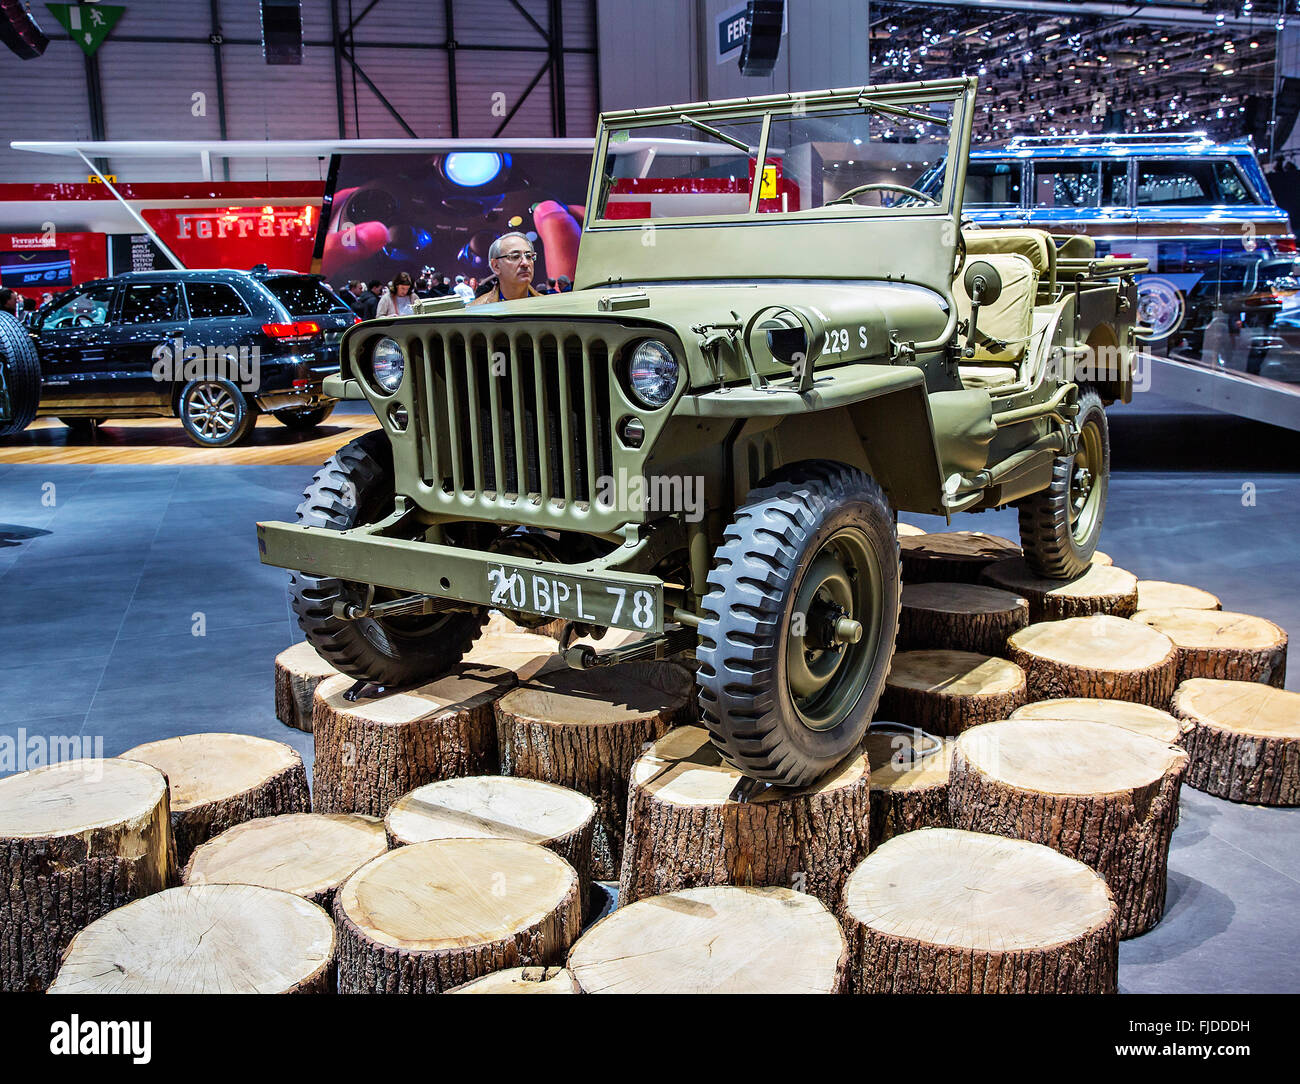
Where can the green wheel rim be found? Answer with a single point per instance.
(1085, 493)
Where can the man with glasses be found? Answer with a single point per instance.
(512, 260)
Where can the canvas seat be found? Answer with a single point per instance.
(1034, 245)
(1004, 326)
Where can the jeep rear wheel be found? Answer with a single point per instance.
(354, 488)
(20, 377)
(797, 633)
(304, 417)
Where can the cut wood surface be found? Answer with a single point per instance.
(308, 854)
(522, 980)
(1099, 656)
(1139, 718)
(369, 752)
(960, 616)
(530, 653)
(204, 939)
(298, 670)
(946, 692)
(220, 780)
(1223, 645)
(906, 530)
(1102, 589)
(1243, 739)
(941, 911)
(1101, 558)
(1095, 792)
(952, 556)
(426, 917)
(909, 781)
(723, 939)
(686, 829)
(77, 839)
(584, 728)
(1163, 595)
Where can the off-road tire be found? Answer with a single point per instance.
(355, 487)
(202, 409)
(22, 372)
(307, 418)
(1047, 536)
(745, 627)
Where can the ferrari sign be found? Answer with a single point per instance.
(88, 24)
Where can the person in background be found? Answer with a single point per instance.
(11, 302)
(424, 288)
(399, 301)
(368, 306)
(512, 260)
(544, 287)
(443, 286)
(463, 289)
(350, 294)
(563, 284)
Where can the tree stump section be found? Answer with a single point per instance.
(431, 916)
(946, 692)
(220, 780)
(1098, 793)
(909, 781)
(369, 752)
(1102, 589)
(1100, 558)
(686, 829)
(906, 530)
(522, 980)
(1163, 595)
(942, 911)
(298, 670)
(499, 807)
(204, 939)
(584, 728)
(1243, 738)
(1222, 645)
(723, 939)
(308, 854)
(952, 556)
(77, 839)
(1139, 718)
(1101, 656)
(960, 617)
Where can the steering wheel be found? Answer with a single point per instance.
(83, 320)
(847, 197)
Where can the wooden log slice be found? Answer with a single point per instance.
(686, 828)
(584, 728)
(1095, 792)
(941, 911)
(960, 617)
(204, 939)
(1223, 645)
(1102, 589)
(906, 530)
(1100, 656)
(220, 780)
(1163, 595)
(425, 918)
(77, 839)
(909, 780)
(522, 980)
(723, 939)
(1100, 558)
(369, 752)
(946, 692)
(951, 556)
(499, 807)
(308, 854)
(298, 670)
(1243, 738)
(525, 654)
(1138, 718)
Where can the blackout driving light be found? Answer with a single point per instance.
(653, 374)
(387, 364)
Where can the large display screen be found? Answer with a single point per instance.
(49, 269)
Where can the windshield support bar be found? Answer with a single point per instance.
(701, 126)
(898, 111)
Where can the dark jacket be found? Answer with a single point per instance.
(367, 306)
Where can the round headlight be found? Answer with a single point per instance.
(387, 364)
(653, 373)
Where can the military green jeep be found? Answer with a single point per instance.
(709, 439)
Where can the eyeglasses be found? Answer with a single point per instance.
(515, 257)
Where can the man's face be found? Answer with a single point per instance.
(515, 264)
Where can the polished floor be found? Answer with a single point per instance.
(133, 607)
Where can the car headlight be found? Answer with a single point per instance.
(387, 364)
(653, 373)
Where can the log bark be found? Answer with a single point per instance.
(1097, 793)
(951, 556)
(369, 752)
(204, 939)
(77, 839)
(909, 781)
(1223, 645)
(432, 916)
(220, 780)
(723, 939)
(1243, 739)
(1139, 718)
(960, 617)
(584, 729)
(298, 670)
(687, 829)
(522, 980)
(951, 912)
(946, 692)
(1099, 656)
(1102, 589)
(1163, 595)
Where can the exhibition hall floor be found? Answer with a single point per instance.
(133, 607)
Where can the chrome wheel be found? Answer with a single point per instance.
(212, 411)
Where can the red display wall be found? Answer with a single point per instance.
(50, 262)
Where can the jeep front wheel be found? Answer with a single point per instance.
(20, 377)
(797, 631)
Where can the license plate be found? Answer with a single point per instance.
(576, 598)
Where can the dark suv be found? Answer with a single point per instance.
(214, 348)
